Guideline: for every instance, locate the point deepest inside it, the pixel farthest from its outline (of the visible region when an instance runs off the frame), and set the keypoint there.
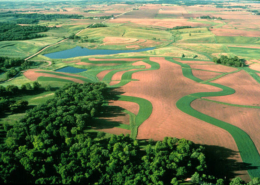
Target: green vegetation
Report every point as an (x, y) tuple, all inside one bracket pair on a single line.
[(208, 17), (53, 147), (235, 61), (9, 31), (97, 25)]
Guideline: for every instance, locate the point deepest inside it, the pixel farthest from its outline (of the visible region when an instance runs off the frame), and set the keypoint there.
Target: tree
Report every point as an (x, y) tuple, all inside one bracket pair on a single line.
[(36, 85), (236, 181), (195, 178), (182, 56), (28, 86)]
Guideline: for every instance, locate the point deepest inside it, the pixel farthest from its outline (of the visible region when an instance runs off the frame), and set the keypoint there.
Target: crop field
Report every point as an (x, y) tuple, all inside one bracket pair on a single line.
[(173, 90)]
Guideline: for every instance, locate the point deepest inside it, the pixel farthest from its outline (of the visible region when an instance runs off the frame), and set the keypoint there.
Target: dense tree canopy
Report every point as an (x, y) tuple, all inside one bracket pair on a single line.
[(11, 31), (235, 61), (49, 145)]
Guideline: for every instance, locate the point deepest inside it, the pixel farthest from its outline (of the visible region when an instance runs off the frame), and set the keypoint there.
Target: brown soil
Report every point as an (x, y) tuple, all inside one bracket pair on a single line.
[(114, 130), (247, 89), (130, 106), (255, 66), (235, 32), (168, 23), (245, 118), (204, 75), (117, 77), (218, 68), (133, 46), (118, 40), (33, 75), (163, 88), (101, 75)]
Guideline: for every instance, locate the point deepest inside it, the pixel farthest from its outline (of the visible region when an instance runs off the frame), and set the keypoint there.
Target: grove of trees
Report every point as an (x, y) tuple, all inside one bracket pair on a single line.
[(11, 31), (232, 61)]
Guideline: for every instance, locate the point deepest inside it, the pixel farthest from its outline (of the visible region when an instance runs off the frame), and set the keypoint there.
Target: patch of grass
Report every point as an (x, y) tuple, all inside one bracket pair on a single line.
[(25, 48), (236, 40), (250, 53), (18, 81), (64, 75), (47, 79)]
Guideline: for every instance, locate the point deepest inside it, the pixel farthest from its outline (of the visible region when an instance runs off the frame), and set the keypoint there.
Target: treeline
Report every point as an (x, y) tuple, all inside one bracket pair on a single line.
[(10, 31), (208, 17), (81, 39), (235, 61), (97, 25), (37, 17), (12, 66), (178, 27), (7, 94), (101, 17), (49, 145)]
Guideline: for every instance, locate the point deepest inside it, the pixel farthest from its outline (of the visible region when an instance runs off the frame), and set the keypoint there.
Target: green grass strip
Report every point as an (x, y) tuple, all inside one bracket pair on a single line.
[(44, 79), (145, 110), (246, 146), (64, 75), (127, 76)]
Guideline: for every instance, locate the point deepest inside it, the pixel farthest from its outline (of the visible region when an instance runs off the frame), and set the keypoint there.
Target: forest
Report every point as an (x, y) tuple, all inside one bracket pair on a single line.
[(12, 66), (235, 61), (97, 25), (49, 145), (36, 17), (11, 31)]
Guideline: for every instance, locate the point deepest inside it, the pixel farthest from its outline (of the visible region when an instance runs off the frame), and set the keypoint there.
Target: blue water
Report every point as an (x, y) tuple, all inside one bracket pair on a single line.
[(79, 51), (70, 70)]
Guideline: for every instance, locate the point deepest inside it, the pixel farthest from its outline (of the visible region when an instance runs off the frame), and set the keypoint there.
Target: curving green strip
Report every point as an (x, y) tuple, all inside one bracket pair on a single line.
[(145, 106), (244, 143), (127, 76), (145, 110)]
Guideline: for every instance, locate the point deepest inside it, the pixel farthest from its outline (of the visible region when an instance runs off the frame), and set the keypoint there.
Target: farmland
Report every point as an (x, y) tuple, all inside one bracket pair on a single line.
[(180, 88)]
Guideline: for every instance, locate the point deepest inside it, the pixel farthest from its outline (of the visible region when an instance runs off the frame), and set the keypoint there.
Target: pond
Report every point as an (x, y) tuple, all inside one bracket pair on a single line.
[(70, 70), (79, 51)]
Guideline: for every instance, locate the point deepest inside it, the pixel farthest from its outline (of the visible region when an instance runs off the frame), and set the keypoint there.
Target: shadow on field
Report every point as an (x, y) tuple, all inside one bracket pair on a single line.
[(107, 112), (220, 163)]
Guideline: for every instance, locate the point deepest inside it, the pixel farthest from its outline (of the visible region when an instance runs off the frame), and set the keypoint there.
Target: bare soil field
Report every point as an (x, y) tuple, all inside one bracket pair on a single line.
[(255, 66), (101, 75), (117, 76), (163, 92), (130, 106), (247, 89), (117, 40), (133, 46), (141, 14), (235, 32), (32, 75), (245, 118), (173, 10), (217, 68), (204, 75), (168, 23)]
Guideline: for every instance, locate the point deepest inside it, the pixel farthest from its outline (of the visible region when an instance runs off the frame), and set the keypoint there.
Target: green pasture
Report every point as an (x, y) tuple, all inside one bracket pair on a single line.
[(66, 30), (249, 53), (125, 31), (64, 75), (244, 143), (237, 40), (25, 48)]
